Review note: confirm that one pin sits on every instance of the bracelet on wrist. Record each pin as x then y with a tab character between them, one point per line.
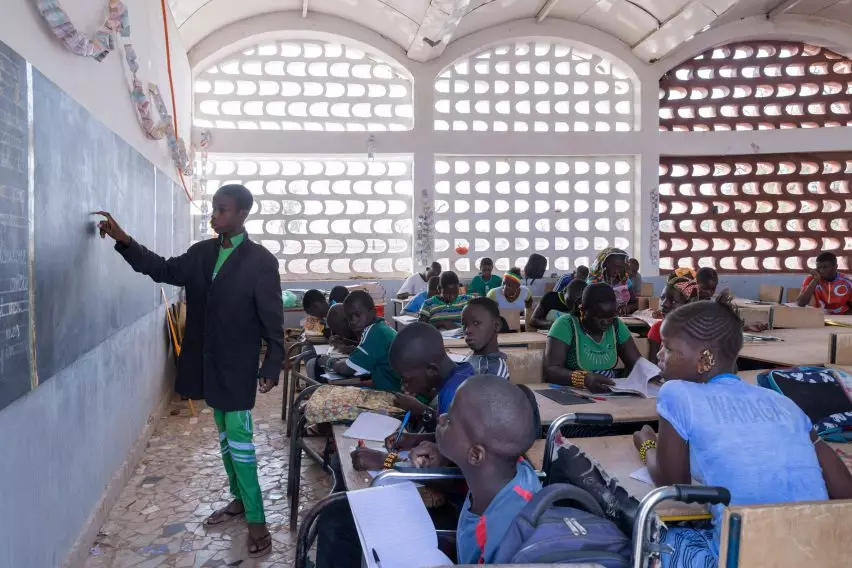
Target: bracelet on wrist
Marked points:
578	379
643	449
390	460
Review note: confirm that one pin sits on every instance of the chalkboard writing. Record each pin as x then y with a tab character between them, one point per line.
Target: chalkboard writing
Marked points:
14	229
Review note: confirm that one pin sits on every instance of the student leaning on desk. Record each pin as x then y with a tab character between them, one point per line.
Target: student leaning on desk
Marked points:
722	431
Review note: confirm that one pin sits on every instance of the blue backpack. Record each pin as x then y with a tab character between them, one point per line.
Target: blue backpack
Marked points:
544	533
820	393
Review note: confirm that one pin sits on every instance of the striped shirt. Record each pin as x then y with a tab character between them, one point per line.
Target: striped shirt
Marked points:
490	364
435	309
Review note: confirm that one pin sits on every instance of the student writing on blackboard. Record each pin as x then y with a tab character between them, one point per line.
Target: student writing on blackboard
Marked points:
233	297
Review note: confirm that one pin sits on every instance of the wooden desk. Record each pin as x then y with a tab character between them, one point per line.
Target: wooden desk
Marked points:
624	409
403	320
799	347
528	339
844	320
351	479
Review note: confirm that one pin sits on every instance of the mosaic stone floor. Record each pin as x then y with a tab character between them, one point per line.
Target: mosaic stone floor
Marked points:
157	521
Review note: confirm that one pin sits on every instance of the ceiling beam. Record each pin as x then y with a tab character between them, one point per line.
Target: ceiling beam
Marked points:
545	10
782	7
437	28
304	8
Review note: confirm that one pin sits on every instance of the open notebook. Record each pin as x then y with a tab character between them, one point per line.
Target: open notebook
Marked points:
639	380
379	513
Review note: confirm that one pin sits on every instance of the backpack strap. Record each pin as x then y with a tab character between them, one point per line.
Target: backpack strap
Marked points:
550	495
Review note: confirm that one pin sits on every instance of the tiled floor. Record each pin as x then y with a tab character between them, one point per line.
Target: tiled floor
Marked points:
180	480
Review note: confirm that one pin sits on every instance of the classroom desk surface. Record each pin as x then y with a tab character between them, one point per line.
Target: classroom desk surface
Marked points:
624	409
845	320
345	446
404	320
529	339
799	347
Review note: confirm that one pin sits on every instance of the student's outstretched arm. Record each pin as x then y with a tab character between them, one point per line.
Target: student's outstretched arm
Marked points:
837	478
174	271
270	312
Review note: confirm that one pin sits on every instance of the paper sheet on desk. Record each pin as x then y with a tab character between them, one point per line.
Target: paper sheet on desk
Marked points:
638	380
642	475
372	426
452	333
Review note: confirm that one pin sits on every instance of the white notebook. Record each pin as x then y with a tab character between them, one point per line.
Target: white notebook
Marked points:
381	513
637	382
372	426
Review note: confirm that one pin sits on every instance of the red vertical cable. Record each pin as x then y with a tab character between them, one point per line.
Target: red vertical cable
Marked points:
172	88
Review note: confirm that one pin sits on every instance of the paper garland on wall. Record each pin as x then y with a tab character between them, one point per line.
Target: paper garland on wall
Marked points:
98	47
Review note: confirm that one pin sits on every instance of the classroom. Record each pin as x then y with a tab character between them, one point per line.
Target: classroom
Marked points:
399	283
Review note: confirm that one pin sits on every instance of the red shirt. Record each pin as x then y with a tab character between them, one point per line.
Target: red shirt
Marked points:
654	332
833	297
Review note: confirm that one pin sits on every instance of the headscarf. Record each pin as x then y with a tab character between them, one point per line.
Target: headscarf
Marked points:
683	272
598	274
687	286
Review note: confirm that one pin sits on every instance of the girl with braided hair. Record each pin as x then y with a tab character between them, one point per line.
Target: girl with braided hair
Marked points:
722	431
679	291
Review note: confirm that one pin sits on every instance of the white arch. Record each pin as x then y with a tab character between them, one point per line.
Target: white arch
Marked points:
815	31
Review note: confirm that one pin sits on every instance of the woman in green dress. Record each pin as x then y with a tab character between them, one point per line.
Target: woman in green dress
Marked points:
583	347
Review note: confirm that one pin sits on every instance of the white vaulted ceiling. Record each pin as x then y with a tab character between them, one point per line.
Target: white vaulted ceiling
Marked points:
423	28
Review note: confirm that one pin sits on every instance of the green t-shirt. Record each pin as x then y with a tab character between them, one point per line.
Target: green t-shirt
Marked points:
584	353
371	356
224	253
480	287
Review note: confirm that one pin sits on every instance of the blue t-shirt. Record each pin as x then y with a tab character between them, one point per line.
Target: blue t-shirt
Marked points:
445	396
416	303
749	439
479	536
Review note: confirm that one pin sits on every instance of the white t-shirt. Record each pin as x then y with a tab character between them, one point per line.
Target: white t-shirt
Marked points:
520	302
413	285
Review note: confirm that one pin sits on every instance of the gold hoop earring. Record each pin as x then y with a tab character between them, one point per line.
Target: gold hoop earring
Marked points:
706	361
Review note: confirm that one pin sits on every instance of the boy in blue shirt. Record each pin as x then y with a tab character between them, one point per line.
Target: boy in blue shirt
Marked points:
416	303
488	428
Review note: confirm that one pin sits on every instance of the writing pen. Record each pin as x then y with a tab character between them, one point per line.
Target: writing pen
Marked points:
401	428
376	558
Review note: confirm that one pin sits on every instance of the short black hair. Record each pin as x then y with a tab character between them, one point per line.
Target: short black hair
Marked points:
490	306
633	261
239	193
416	345
436	266
448	278
714	323
486	260
312	297
597	293
827	257
574	290
360	297
338	294
706	273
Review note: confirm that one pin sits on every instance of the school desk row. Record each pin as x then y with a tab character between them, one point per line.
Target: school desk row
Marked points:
616	454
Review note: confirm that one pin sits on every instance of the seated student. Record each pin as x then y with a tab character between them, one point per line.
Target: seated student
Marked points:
556	304
635	277
725	432
315	305
512	295
489	426
583	348
582	273
416	304
708	280
610	267
371	355
678	292
444	310
341	338
337	295
486	280
827	288
481	323
417	282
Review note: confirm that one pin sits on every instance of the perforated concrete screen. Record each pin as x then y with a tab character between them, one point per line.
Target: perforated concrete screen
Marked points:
327	218
534	86
304	85
506	208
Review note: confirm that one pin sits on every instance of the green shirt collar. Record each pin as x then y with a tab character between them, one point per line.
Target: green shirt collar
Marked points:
236	240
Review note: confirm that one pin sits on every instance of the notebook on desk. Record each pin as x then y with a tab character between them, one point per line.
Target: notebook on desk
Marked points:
380	513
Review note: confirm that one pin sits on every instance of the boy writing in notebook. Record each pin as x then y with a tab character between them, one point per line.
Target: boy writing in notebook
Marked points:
481	323
370	357
489	426
233	296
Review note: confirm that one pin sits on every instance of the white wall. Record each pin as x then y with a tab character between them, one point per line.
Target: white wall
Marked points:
72	439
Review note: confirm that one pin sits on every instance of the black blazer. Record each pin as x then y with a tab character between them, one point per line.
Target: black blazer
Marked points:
225	318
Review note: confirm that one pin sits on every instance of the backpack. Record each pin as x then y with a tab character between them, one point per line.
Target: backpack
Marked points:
547	533
821	394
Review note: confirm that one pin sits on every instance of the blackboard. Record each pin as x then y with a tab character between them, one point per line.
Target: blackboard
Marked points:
84	291
15	326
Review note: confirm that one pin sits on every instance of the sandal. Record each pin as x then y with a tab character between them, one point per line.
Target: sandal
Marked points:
260	550
220	516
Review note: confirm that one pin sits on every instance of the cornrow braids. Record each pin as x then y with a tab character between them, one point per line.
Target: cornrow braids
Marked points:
714	323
